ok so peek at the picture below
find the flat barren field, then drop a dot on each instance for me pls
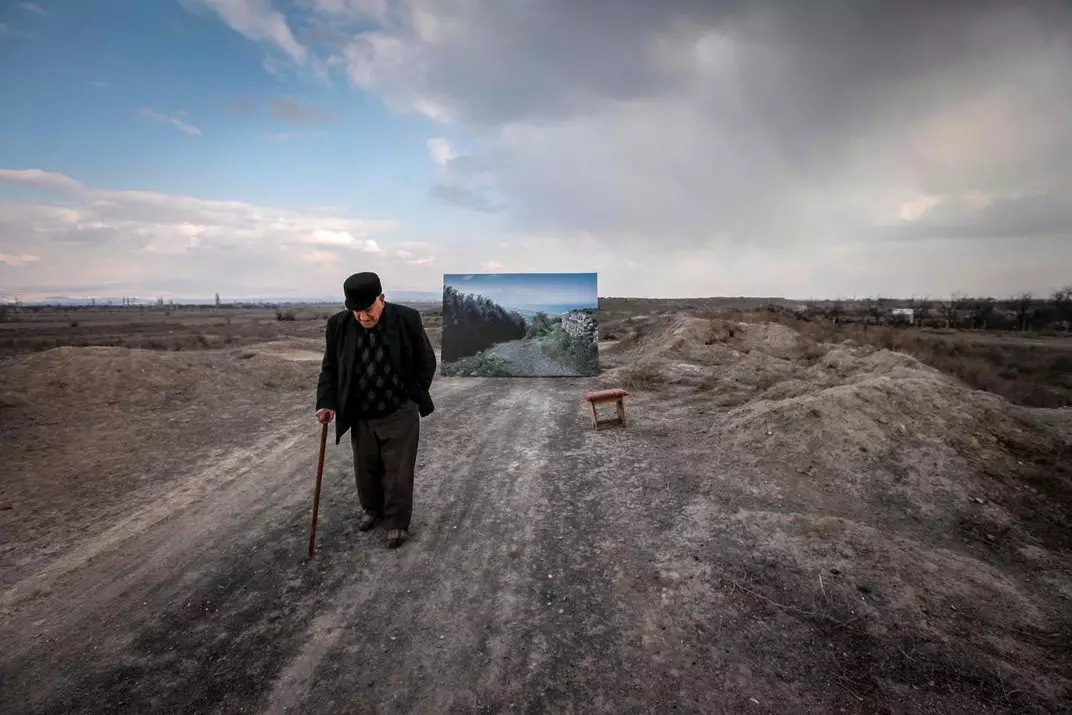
(791, 521)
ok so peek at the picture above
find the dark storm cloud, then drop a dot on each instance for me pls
(517, 61)
(685, 121)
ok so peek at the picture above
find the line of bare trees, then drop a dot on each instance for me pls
(1023, 312)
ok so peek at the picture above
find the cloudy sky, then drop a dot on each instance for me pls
(682, 148)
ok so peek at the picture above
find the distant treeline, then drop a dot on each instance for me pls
(1021, 312)
(17, 307)
(474, 323)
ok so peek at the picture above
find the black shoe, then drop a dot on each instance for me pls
(369, 521)
(395, 538)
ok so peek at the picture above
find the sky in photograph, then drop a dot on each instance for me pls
(530, 290)
(180, 148)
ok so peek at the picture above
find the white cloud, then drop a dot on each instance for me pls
(913, 208)
(441, 151)
(39, 179)
(173, 120)
(375, 10)
(34, 8)
(492, 266)
(272, 66)
(259, 21)
(148, 241)
(414, 253)
(20, 260)
(329, 237)
(320, 257)
(333, 238)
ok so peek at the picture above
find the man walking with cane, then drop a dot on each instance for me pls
(377, 369)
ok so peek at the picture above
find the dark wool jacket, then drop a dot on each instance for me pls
(411, 355)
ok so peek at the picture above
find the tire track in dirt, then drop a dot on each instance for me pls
(451, 502)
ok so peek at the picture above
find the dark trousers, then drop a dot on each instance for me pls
(385, 456)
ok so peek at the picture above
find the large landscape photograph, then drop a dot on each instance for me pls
(520, 325)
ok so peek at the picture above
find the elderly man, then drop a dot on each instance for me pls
(377, 369)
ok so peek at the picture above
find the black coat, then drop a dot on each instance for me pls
(411, 355)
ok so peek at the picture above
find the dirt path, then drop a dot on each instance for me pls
(526, 358)
(551, 568)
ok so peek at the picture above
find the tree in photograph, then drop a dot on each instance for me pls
(473, 323)
(540, 324)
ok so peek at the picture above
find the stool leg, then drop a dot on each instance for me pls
(595, 417)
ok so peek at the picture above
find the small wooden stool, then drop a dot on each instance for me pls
(615, 395)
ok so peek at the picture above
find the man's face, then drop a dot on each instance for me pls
(368, 318)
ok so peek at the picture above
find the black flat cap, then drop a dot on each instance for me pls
(361, 290)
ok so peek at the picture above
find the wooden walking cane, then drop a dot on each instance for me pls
(316, 494)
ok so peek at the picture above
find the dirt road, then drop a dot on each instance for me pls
(529, 582)
(525, 358)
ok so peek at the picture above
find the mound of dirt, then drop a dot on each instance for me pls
(771, 339)
(864, 427)
(848, 360)
(703, 341)
(875, 433)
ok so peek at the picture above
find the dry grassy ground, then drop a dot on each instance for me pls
(790, 522)
(155, 328)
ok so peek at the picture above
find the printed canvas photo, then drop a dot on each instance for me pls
(520, 325)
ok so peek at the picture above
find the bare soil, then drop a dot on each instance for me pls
(782, 526)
